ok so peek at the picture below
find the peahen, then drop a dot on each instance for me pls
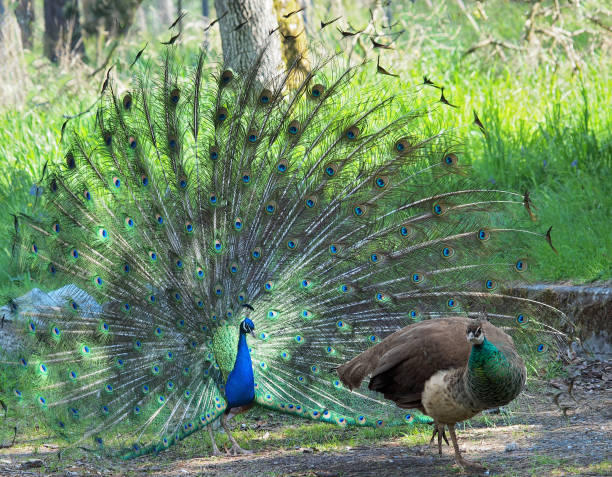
(431, 366)
(202, 205)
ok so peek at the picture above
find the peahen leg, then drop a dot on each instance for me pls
(439, 429)
(215, 449)
(459, 460)
(235, 449)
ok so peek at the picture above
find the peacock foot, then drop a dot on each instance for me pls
(466, 465)
(236, 450)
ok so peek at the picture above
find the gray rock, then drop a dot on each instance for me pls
(512, 446)
(588, 307)
(20, 310)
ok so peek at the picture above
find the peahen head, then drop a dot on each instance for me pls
(247, 326)
(475, 335)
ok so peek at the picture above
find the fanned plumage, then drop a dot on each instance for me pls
(331, 210)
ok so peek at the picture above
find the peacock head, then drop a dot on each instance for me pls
(475, 335)
(247, 326)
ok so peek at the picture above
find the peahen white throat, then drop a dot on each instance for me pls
(202, 205)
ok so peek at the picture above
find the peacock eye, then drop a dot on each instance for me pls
(317, 91)
(352, 133)
(222, 114)
(226, 77)
(127, 101)
(265, 96)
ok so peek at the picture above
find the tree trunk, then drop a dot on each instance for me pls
(24, 12)
(166, 10)
(245, 32)
(179, 12)
(293, 39)
(62, 28)
(335, 8)
(111, 17)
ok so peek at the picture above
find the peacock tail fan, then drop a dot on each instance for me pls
(332, 209)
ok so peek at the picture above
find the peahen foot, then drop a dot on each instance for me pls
(236, 450)
(459, 460)
(439, 429)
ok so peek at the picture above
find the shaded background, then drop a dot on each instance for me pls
(537, 72)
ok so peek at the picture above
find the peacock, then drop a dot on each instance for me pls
(447, 368)
(231, 241)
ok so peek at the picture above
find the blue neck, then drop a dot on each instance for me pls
(240, 386)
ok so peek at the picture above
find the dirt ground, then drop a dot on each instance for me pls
(542, 442)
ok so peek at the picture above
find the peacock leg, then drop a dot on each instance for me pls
(235, 449)
(215, 449)
(440, 431)
(459, 460)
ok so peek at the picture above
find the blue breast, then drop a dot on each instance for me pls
(240, 385)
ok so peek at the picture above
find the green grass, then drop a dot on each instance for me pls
(548, 131)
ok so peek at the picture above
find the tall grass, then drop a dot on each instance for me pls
(548, 131)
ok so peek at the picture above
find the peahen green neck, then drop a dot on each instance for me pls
(491, 377)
